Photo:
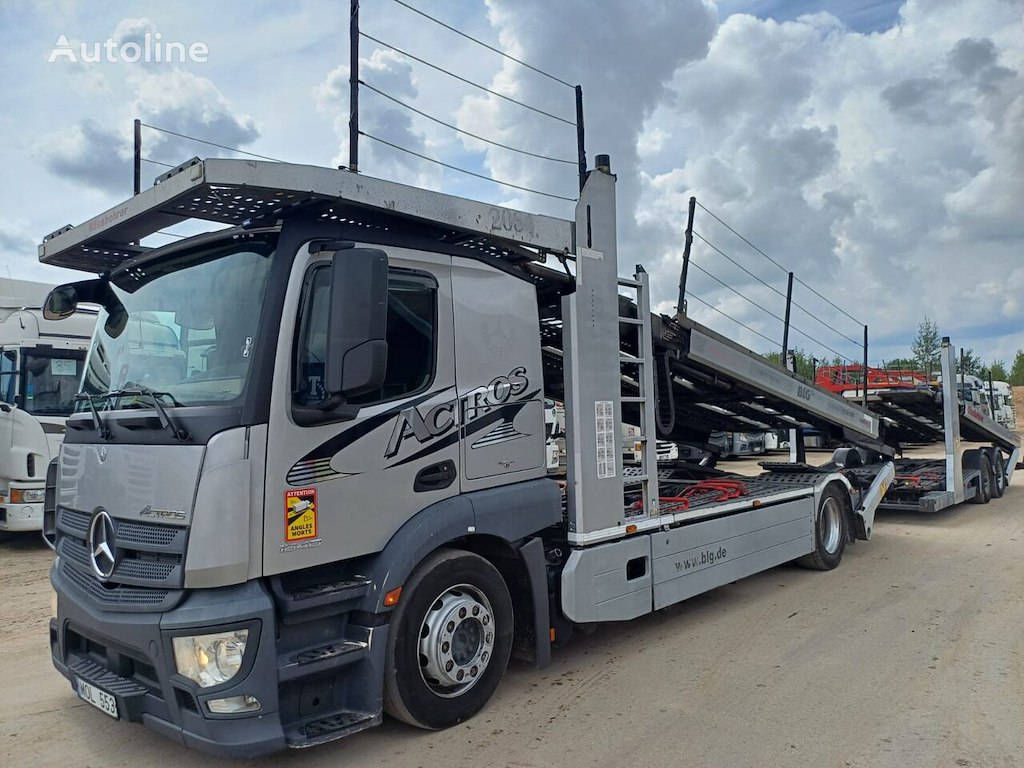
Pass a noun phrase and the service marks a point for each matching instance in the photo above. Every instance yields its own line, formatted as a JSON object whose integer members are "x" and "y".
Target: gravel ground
{"x": 910, "y": 654}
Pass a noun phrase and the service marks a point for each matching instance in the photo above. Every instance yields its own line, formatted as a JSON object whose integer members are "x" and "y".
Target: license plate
{"x": 102, "y": 700}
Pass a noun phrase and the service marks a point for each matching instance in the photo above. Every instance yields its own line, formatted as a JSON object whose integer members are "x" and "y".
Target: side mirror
{"x": 357, "y": 350}
{"x": 63, "y": 300}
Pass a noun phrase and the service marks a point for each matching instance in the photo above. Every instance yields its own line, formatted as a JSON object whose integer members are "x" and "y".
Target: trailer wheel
{"x": 450, "y": 641}
{"x": 999, "y": 474}
{"x": 830, "y": 532}
{"x": 988, "y": 477}
{"x": 985, "y": 481}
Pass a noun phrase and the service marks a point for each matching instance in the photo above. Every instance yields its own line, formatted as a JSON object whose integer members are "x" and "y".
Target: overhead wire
{"x": 463, "y": 170}
{"x": 210, "y": 143}
{"x": 468, "y": 82}
{"x": 772, "y": 287}
{"x": 766, "y": 310}
{"x": 464, "y": 132}
{"x": 773, "y": 261}
{"x": 730, "y": 317}
{"x": 485, "y": 45}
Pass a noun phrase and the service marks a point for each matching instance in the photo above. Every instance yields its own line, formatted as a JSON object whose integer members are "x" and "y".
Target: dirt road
{"x": 910, "y": 654}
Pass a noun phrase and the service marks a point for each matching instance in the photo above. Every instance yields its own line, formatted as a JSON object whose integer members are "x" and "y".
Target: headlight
{"x": 27, "y": 495}
{"x": 210, "y": 659}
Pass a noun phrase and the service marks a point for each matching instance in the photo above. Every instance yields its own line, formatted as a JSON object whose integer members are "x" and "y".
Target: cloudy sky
{"x": 873, "y": 147}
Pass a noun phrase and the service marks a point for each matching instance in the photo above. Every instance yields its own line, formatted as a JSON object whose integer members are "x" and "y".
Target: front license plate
{"x": 102, "y": 700}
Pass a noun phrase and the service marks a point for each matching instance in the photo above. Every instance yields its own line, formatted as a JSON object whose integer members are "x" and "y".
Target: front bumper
{"x": 129, "y": 656}
{"x": 21, "y": 517}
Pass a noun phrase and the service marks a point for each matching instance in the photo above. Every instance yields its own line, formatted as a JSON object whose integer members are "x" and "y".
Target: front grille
{"x": 149, "y": 564}
{"x": 154, "y": 534}
{"x": 111, "y": 597}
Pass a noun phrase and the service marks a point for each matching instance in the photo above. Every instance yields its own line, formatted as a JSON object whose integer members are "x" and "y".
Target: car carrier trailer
{"x": 320, "y": 492}
{"x": 980, "y": 453}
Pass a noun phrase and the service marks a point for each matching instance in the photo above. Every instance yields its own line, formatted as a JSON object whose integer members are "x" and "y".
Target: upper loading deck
{"x": 715, "y": 383}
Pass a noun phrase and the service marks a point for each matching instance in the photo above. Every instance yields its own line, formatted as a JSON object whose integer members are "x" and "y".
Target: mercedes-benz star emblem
{"x": 102, "y": 546}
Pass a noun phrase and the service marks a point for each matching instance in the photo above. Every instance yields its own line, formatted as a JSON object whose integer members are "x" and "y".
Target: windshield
{"x": 41, "y": 381}
{"x": 192, "y": 324}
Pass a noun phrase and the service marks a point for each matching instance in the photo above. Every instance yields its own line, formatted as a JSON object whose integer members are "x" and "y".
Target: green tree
{"x": 968, "y": 362}
{"x": 805, "y": 363}
{"x": 1017, "y": 371}
{"x": 998, "y": 370}
{"x": 927, "y": 347}
{"x": 901, "y": 364}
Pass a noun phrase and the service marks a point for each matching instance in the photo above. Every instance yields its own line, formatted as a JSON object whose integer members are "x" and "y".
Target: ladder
{"x": 638, "y": 369}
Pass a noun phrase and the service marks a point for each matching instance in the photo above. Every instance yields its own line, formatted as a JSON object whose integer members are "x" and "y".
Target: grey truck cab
{"x": 306, "y": 480}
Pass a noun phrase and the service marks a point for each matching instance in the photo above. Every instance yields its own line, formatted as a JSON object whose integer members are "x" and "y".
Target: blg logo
{"x": 150, "y": 49}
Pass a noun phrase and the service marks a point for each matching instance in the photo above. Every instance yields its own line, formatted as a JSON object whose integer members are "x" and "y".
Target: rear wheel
{"x": 985, "y": 481}
{"x": 999, "y": 472}
{"x": 450, "y": 641}
{"x": 830, "y": 532}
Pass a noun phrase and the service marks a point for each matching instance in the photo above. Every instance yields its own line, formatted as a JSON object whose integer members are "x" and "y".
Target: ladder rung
{"x": 633, "y": 399}
{"x": 631, "y": 321}
{"x": 629, "y": 283}
{"x": 631, "y": 359}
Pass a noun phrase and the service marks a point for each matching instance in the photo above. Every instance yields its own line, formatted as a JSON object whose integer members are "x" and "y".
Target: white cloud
{"x": 885, "y": 169}
{"x": 391, "y": 73}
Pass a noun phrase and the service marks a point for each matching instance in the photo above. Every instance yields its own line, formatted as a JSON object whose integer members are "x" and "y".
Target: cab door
{"x": 342, "y": 487}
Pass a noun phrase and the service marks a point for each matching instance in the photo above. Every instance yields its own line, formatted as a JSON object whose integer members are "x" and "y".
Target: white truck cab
{"x": 41, "y": 364}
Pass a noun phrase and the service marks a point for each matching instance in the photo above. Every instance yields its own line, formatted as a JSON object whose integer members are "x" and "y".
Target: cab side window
{"x": 411, "y": 337}
{"x": 8, "y": 375}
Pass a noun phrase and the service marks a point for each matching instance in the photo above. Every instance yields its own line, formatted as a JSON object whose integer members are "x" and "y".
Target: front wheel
{"x": 450, "y": 641}
{"x": 830, "y": 532}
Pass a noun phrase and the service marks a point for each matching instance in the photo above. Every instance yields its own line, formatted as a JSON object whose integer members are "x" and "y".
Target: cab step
{"x": 320, "y": 659}
{"x": 321, "y": 598}
{"x": 328, "y": 728}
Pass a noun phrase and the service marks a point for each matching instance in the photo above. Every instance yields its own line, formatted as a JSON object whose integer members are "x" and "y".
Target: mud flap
{"x": 872, "y": 498}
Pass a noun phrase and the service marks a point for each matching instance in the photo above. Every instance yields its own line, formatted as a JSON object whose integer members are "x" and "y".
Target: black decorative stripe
{"x": 363, "y": 428}
{"x": 448, "y": 440}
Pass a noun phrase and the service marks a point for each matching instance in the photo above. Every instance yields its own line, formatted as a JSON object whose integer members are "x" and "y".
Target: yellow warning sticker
{"x": 300, "y": 514}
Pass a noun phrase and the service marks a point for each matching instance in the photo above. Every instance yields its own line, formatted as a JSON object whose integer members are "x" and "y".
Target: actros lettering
{"x": 444, "y": 417}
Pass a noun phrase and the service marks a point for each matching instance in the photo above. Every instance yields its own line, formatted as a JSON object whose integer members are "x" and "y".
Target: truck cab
{"x": 41, "y": 364}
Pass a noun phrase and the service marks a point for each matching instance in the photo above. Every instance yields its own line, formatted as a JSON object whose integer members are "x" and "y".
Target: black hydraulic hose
{"x": 666, "y": 422}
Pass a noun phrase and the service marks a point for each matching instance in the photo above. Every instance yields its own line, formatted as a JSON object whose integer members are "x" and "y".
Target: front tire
{"x": 450, "y": 641}
{"x": 830, "y": 532}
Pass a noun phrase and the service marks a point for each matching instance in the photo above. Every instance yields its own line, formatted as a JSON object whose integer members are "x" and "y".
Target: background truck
{"x": 1002, "y": 399}
{"x": 40, "y": 367}
{"x": 336, "y": 503}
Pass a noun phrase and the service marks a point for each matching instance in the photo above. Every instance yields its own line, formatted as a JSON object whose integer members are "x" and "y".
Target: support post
{"x": 353, "y": 88}
{"x": 785, "y": 324}
{"x": 991, "y": 396}
{"x": 581, "y": 150}
{"x": 687, "y": 245}
{"x": 864, "y": 402}
{"x": 138, "y": 156}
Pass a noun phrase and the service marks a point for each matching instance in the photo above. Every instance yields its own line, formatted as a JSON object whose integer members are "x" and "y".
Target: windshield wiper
{"x": 97, "y": 422}
{"x": 141, "y": 390}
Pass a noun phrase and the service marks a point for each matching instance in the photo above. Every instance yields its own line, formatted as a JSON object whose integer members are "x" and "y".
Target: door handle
{"x": 436, "y": 477}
